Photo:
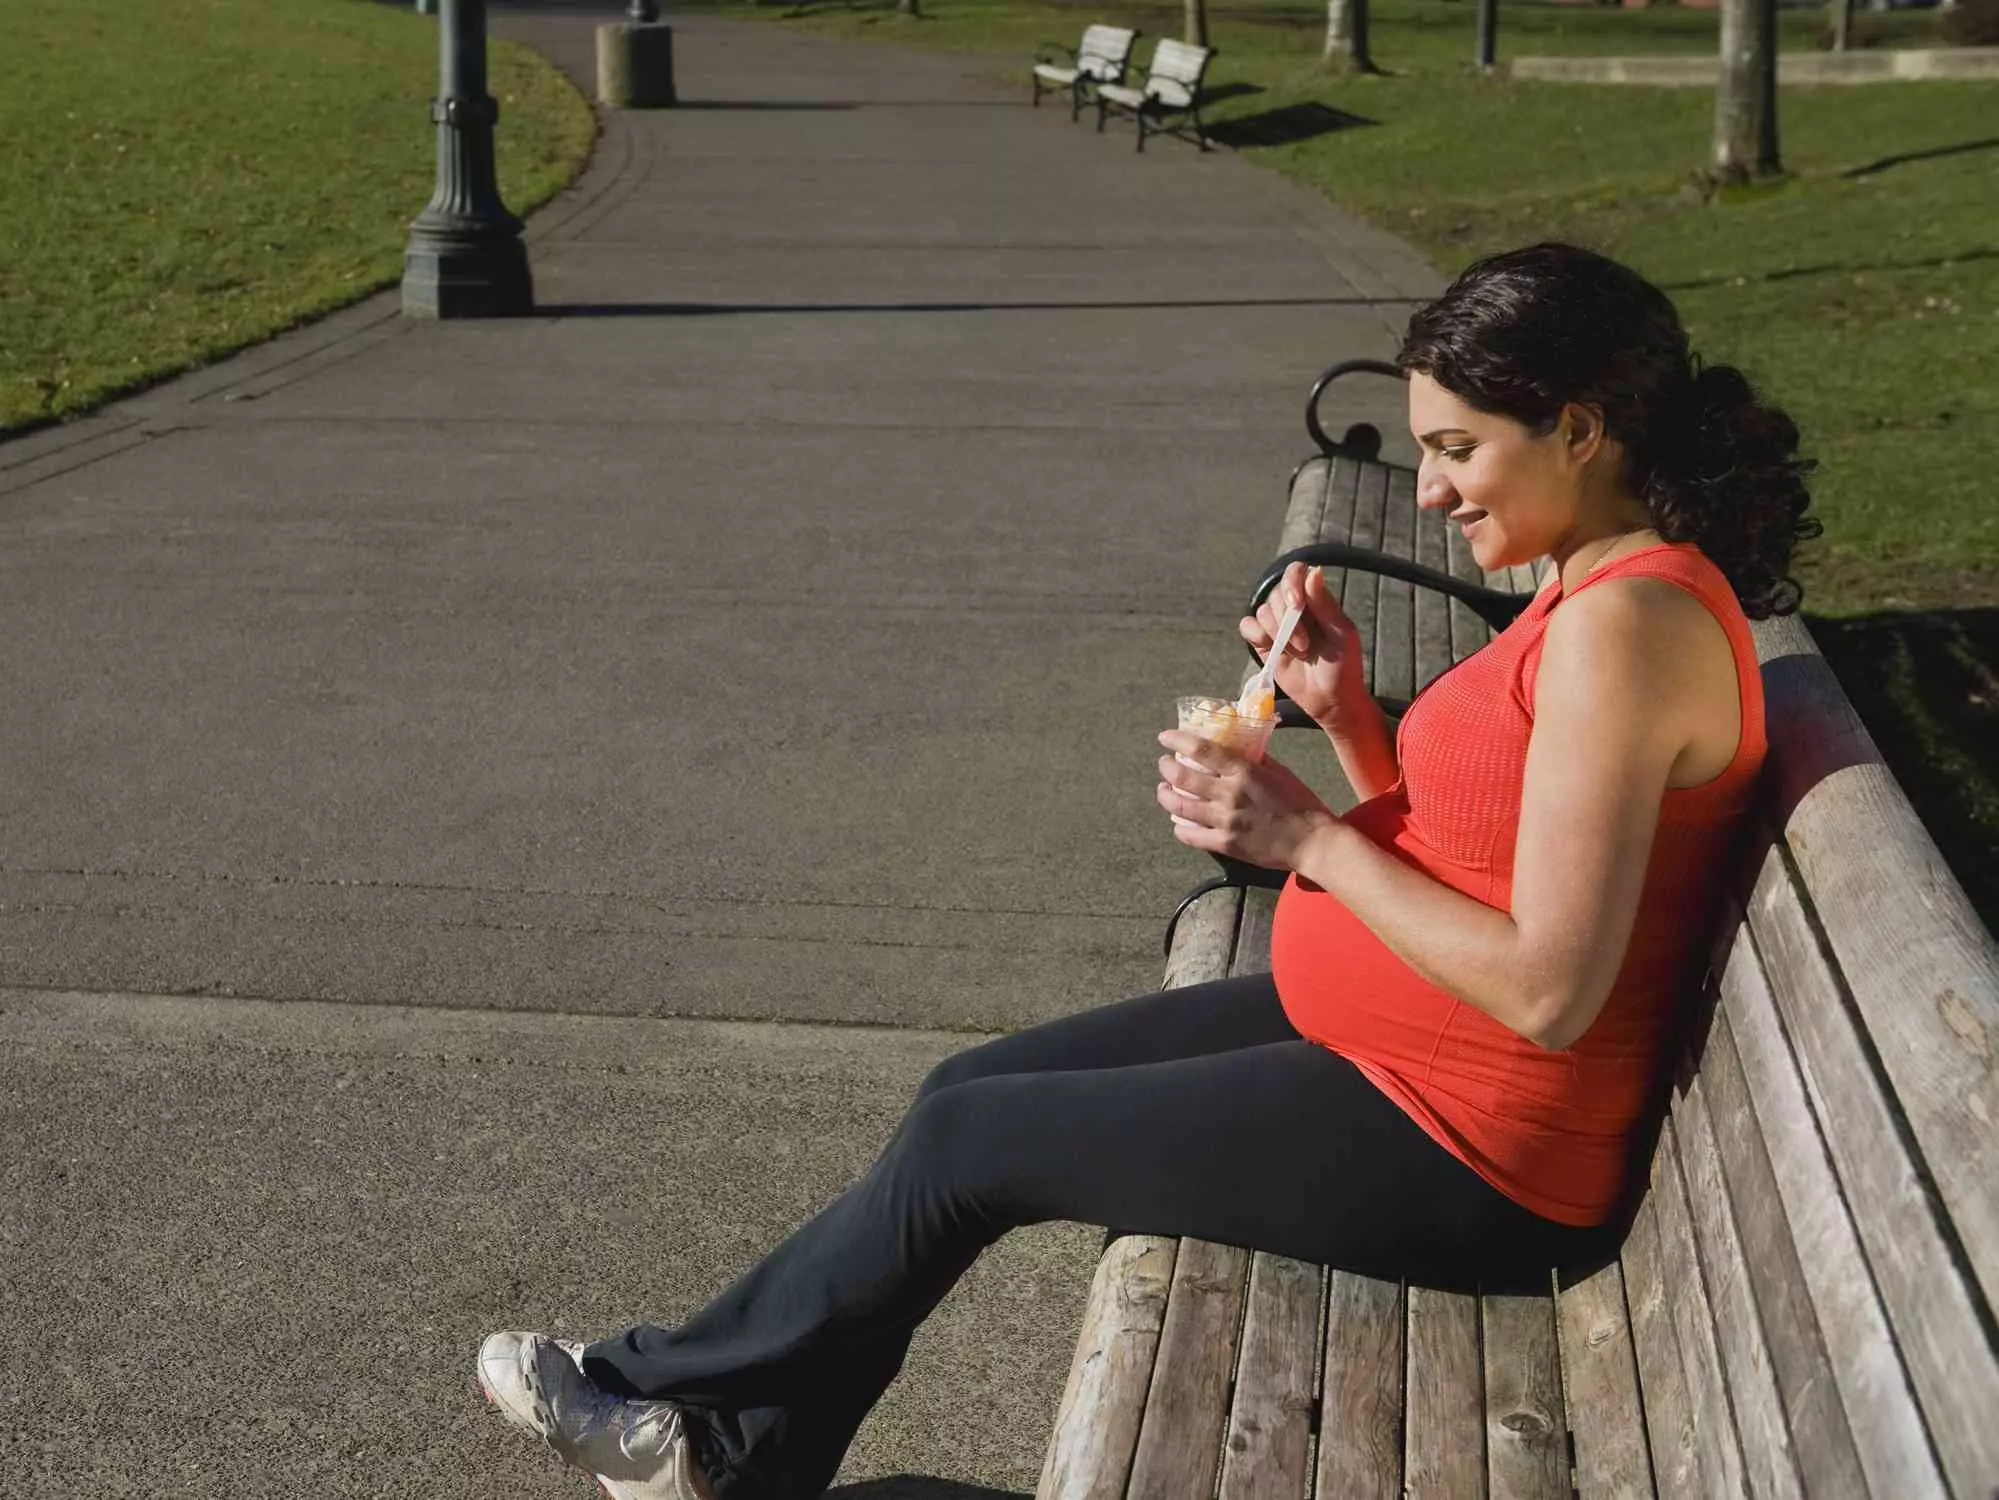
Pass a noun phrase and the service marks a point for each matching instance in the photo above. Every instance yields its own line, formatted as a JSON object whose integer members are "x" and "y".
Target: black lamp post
{"x": 465, "y": 257}
{"x": 1488, "y": 34}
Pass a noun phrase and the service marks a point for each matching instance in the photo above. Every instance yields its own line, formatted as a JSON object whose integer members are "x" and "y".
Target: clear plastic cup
{"x": 1216, "y": 720}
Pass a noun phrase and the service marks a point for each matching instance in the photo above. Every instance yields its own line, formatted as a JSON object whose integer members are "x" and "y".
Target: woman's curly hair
{"x": 1525, "y": 333}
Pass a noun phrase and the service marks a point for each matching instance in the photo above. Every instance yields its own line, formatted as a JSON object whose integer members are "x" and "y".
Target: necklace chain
{"x": 1604, "y": 556}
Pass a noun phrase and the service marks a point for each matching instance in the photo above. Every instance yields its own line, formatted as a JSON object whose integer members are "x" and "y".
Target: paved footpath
{"x": 498, "y": 817}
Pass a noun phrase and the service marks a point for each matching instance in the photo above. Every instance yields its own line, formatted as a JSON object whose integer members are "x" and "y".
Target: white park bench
{"x": 1172, "y": 90}
{"x": 1100, "y": 58}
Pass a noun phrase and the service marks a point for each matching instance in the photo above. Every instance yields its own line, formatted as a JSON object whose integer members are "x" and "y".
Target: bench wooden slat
{"x": 1268, "y": 1453}
{"x": 1468, "y": 631}
{"x": 1444, "y": 1457}
{"x": 1395, "y": 600}
{"x": 1880, "y": 1405}
{"x": 1321, "y": 510}
{"x": 1768, "y": 1458}
{"x": 1096, "y": 1426}
{"x": 1204, "y": 942}
{"x": 1821, "y": 1442}
{"x": 1360, "y": 1417}
{"x": 1932, "y": 1308}
{"x": 1526, "y": 1432}
{"x": 1600, "y": 1388}
{"x": 1921, "y": 968}
{"x": 1691, "y": 1314}
{"x": 1186, "y": 1412}
{"x": 1252, "y": 945}
{"x": 1433, "y": 613}
{"x": 1358, "y": 596}
{"x": 1669, "y": 1410}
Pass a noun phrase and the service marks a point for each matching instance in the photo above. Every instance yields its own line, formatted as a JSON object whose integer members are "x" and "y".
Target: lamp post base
{"x": 477, "y": 279}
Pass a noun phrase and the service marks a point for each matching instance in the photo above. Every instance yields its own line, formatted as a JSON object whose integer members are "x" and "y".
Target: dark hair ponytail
{"x": 1525, "y": 333}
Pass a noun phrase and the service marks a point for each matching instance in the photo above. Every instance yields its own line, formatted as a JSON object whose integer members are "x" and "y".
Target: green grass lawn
{"x": 1864, "y": 301}
{"x": 1868, "y": 305}
{"x": 186, "y": 177}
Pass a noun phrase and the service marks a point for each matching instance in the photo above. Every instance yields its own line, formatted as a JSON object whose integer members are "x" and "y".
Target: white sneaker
{"x": 637, "y": 1450}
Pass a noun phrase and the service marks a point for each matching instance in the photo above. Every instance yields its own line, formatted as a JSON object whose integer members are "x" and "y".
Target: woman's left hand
{"x": 1255, "y": 811}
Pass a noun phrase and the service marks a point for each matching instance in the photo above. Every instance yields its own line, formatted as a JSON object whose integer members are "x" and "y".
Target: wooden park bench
{"x": 1171, "y": 91}
{"x": 1804, "y": 1305}
{"x": 1100, "y": 58}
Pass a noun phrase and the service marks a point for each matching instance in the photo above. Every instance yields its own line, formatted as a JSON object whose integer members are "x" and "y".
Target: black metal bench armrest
{"x": 1362, "y": 440}
{"x": 1497, "y": 607}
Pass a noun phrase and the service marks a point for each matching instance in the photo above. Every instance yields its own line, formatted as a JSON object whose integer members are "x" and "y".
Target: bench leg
{"x": 1101, "y": 107}
{"x": 1076, "y": 101}
{"x": 1037, "y": 91}
{"x": 1200, "y": 133}
{"x": 1141, "y": 127}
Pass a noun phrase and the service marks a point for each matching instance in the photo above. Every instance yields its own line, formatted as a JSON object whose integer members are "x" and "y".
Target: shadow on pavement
{"x": 1282, "y": 127}
{"x": 780, "y": 104}
{"x": 717, "y": 309}
{"x": 919, "y": 1487}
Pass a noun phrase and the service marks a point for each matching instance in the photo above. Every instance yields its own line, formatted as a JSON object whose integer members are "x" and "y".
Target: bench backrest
{"x": 1829, "y": 1171}
{"x": 1811, "y": 1280}
{"x": 1174, "y": 76}
{"x": 1104, "y": 53}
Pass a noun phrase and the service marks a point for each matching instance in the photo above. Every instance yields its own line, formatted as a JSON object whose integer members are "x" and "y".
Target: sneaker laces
{"x": 653, "y": 1432}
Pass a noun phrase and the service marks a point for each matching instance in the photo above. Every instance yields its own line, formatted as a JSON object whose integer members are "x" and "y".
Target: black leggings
{"x": 1196, "y": 1111}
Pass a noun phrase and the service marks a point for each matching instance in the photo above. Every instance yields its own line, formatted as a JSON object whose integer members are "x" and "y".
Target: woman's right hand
{"x": 1322, "y": 669}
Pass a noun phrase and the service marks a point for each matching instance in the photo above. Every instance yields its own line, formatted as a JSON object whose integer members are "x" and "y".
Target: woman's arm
{"x": 1366, "y": 748}
{"x": 1320, "y": 669}
{"x": 1615, "y": 704}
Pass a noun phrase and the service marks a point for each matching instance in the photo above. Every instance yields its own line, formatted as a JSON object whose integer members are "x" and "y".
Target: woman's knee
{"x": 959, "y": 1067}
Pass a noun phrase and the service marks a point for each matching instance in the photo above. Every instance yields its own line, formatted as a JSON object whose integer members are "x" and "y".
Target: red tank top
{"x": 1549, "y": 1129}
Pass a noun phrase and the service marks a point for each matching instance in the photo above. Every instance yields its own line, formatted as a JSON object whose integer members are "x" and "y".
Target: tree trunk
{"x": 1745, "y": 96}
{"x": 1197, "y": 23}
{"x": 908, "y": 8}
{"x": 1488, "y": 35}
{"x": 1346, "y": 37}
{"x": 1841, "y": 19}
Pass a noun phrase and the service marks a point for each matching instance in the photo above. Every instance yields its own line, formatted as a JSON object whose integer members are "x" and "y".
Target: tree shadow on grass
{"x": 802, "y": 8}
{"x": 1991, "y": 143}
{"x": 1284, "y": 127}
{"x": 1926, "y": 685}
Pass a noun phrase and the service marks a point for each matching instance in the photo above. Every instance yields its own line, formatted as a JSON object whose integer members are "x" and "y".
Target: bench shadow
{"x": 1284, "y": 127}
{"x": 919, "y": 1487}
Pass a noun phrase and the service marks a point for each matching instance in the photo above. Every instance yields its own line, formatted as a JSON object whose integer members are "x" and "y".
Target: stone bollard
{"x": 635, "y": 65}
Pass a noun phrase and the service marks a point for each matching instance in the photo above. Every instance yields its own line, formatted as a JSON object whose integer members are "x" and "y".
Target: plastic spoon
{"x": 1259, "y": 694}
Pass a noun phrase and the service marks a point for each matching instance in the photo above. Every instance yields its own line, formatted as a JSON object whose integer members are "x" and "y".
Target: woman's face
{"x": 1515, "y": 495}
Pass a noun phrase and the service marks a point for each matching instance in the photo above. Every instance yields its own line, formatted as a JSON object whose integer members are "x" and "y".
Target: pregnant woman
{"x": 1475, "y": 971}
